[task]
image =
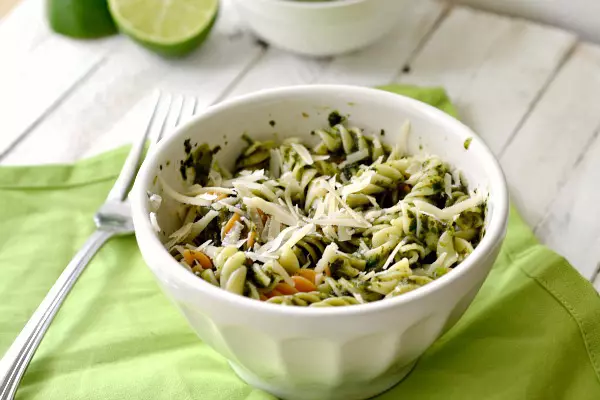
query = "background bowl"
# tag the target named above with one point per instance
(305, 353)
(320, 28)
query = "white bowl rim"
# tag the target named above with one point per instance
(143, 228)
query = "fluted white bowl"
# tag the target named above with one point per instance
(321, 28)
(344, 353)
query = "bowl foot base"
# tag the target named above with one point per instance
(345, 392)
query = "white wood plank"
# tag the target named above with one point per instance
(572, 224)
(493, 68)
(22, 30)
(543, 153)
(104, 111)
(278, 68)
(380, 63)
(40, 79)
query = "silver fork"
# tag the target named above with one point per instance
(112, 219)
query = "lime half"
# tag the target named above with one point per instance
(80, 18)
(171, 28)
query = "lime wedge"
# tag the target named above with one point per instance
(80, 18)
(171, 28)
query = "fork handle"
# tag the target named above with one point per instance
(19, 354)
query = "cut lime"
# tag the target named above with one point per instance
(171, 28)
(80, 18)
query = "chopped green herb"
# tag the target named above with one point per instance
(420, 147)
(155, 179)
(272, 123)
(349, 170)
(313, 133)
(160, 167)
(382, 132)
(467, 143)
(168, 162)
(305, 115)
(372, 263)
(187, 146)
(335, 118)
(200, 161)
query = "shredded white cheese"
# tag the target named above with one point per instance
(303, 153)
(448, 213)
(154, 202)
(358, 184)
(271, 209)
(172, 193)
(328, 254)
(154, 222)
(354, 157)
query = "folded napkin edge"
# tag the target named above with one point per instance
(560, 281)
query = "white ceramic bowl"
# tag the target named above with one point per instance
(344, 353)
(320, 28)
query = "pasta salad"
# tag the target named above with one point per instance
(349, 221)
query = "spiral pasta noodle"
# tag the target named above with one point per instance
(346, 221)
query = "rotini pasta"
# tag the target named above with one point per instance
(348, 221)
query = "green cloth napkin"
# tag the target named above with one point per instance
(533, 332)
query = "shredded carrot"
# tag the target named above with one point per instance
(203, 259)
(327, 271)
(190, 256)
(222, 196)
(230, 224)
(263, 297)
(309, 274)
(285, 288)
(251, 239)
(303, 285)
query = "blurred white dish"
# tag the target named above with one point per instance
(322, 28)
(344, 353)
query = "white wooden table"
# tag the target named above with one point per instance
(529, 90)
